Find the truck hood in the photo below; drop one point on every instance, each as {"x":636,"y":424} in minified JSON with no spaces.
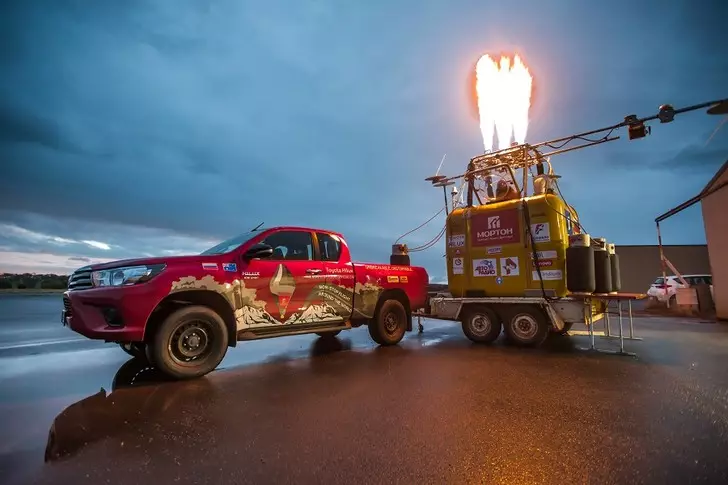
{"x":155,"y":260}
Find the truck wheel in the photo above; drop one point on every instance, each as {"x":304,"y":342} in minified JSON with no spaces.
{"x":190,"y":342}
{"x":526,"y":325}
{"x":135,"y":349}
{"x":330,"y":334}
{"x":481,"y":324}
{"x":389,"y":324}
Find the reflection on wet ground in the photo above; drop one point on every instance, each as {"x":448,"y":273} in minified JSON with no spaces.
{"x":336,"y":409}
{"x":139,"y":394}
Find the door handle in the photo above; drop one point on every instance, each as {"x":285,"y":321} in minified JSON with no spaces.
{"x":313,"y":271}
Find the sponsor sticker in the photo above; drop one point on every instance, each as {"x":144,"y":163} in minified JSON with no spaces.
{"x":541,"y":232}
{"x":230,"y":267}
{"x":545,"y":255}
{"x":509,"y":266}
{"x":386,"y":267}
{"x":484,"y":267}
{"x":494,"y":250}
{"x":544,"y":263}
{"x":209,"y":266}
{"x":499,"y":280}
{"x":404,"y":279}
{"x":457,"y":265}
{"x":392,"y":279}
{"x":250,"y":275}
{"x":457,"y":240}
{"x":548,"y":274}
{"x":495,"y":228}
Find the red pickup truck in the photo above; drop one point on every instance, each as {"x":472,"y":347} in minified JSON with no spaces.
{"x":181,"y":313}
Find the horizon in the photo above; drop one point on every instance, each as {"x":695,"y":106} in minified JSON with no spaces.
{"x":156,"y":130}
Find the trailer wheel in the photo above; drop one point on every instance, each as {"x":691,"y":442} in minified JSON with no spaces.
{"x":481,"y":324}
{"x":190,"y":342}
{"x":526,"y":325}
{"x":389,"y":324}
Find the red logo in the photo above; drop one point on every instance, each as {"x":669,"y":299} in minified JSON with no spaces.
{"x":543,"y":263}
{"x":499,"y":227}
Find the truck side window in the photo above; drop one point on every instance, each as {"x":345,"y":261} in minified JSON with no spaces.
{"x":291,"y":245}
{"x":329,"y":247}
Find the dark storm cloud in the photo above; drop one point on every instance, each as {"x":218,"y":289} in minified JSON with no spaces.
{"x":135,"y":123}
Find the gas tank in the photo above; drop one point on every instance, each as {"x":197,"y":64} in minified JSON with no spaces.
{"x":491,"y":252}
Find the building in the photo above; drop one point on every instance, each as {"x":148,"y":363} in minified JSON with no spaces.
{"x":714,"y":202}
{"x":640,"y":266}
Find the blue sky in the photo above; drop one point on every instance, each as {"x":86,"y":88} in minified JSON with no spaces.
{"x":159,"y":127}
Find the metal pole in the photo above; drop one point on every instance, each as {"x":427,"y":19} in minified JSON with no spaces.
{"x":607,"y":326}
{"x":621,"y":337}
{"x":662,"y":262}
{"x":591,"y":322}
{"x":631,"y":326}
{"x":444,"y":192}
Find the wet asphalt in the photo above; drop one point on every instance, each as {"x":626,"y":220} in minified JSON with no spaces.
{"x":435,"y":409}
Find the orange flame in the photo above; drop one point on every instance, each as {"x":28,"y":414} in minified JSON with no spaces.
{"x":504,"y":98}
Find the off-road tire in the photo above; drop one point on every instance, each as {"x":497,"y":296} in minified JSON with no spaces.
{"x":389,"y":324}
{"x":331,"y":334}
{"x":525,"y":325}
{"x":167,"y":347}
{"x":481,"y":324}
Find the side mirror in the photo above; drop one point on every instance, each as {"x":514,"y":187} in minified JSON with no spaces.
{"x":258,"y":251}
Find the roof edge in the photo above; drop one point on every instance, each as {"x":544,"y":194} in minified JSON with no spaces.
{"x":715,"y":178}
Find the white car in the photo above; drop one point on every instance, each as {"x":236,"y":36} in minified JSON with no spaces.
{"x":664,"y":290}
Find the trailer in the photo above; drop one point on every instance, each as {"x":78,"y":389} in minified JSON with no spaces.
{"x":520,"y":262}
{"x":528,"y":321}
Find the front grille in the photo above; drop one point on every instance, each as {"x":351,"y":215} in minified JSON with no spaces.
{"x":67,"y":306}
{"x":80,"y":280}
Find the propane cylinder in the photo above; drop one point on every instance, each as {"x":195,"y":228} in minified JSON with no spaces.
{"x":400,"y":255}
{"x":614,"y":266}
{"x":602,"y":266}
{"x":580,"y":264}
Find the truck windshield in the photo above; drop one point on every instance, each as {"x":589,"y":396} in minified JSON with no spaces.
{"x":229,"y":244}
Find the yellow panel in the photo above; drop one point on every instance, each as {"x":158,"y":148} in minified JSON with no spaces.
{"x":489,"y":250}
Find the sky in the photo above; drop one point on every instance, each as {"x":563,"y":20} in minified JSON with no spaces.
{"x":156,"y":127}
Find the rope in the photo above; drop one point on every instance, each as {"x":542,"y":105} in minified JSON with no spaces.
{"x":419,"y":227}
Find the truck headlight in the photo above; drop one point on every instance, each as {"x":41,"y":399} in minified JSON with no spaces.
{"x":126,"y":276}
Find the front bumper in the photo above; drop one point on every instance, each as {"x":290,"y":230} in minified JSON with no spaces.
{"x":111,"y":314}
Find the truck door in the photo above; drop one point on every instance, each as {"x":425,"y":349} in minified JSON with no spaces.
{"x":285,"y":281}
{"x":339,"y":288}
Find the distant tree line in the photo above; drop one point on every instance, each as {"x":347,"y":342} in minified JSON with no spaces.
{"x":31,"y":281}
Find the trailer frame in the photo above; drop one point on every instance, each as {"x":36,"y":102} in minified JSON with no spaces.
{"x":575,"y":308}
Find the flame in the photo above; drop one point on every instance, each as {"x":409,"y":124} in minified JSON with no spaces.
{"x":504,"y":98}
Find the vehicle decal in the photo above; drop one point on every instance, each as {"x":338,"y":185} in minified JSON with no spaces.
{"x":385,"y":267}
{"x":209,"y":266}
{"x":403,"y":279}
{"x":509,"y":266}
{"x":326,"y":302}
{"x":282,"y":285}
{"x":230,"y":267}
{"x":393,"y":279}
